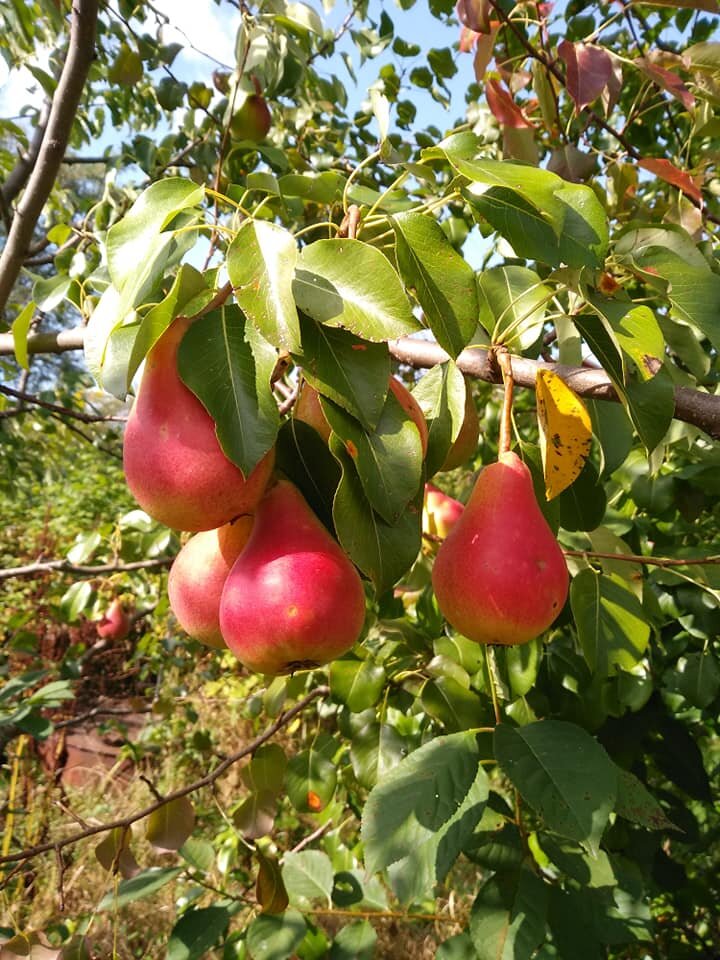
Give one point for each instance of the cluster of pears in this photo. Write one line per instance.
(262, 575)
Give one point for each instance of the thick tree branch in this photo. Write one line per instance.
(206, 781)
(54, 143)
(691, 406)
(83, 570)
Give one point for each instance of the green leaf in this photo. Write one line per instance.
(583, 504)
(346, 283)
(303, 456)
(636, 331)
(199, 853)
(376, 748)
(440, 279)
(590, 871)
(228, 366)
(196, 932)
(349, 371)
(383, 551)
(440, 393)
(133, 240)
(169, 827)
(357, 683)
(76, 598)
(138, 887)
(508, 916)
(326, 187)
(635, 803)
(563, 774)
(697, 677)
(669, 261)
(266, 770)
(261, 265)
(356, 941)
(311, 780)
(459, 947)
(426, 807)
(308, 876)
(255, 816)
(388, 459)
(188, 290)
(20, 330)
(451, 704)
(542, 216)
(512, 305)
(611, 623)
(275, 936)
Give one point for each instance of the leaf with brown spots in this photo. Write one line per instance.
(565, 432)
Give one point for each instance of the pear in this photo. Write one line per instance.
(198, 575)
(252, 119)
(440, 512)
(465, 444)
(173, 462)
(115, 623)
(309, 410)
(500, 576)
(292, 599)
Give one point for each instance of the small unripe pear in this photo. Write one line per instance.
(500, 576)
(116, 623)
(198, 575)
(252, 119)
(173, 462)
(307, 408)
(440, 512)
(292, 599)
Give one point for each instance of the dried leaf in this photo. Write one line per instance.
(269, 887)
(565, 432)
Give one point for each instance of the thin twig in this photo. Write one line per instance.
(57, 408)
(64, 566)
(647, 561)
(125, 822)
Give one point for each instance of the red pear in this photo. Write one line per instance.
(116, 623)
(308, 409)
(292, 599)
(440, 512)
(500, 576)
(174, 465)
(198, 575)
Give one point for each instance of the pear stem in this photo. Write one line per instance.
(490, 664)
(505, 435)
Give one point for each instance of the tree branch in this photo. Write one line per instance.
(691, 406)
(210, 778)
(83, 570)
(57, 408)
(54, 143)
(18, 176)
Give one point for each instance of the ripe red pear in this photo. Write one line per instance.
(500, 576)
(174, 465)
(115, 623)
(198, 575)
(440, 512)
(465, 444)
(308, 409)
(292, 599)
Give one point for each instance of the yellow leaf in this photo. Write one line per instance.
(565, 432)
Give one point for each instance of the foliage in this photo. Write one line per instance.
(548, 800)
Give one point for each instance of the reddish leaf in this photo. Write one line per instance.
(667, 80)
(468, 38)
(475, 14)
(588, 71)
(503, 107)
(671, 174)
(484, 49)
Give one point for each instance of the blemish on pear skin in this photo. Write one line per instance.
(292, 612)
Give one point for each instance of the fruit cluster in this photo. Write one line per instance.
(263, 576)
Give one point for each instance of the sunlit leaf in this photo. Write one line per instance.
(565, 432)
